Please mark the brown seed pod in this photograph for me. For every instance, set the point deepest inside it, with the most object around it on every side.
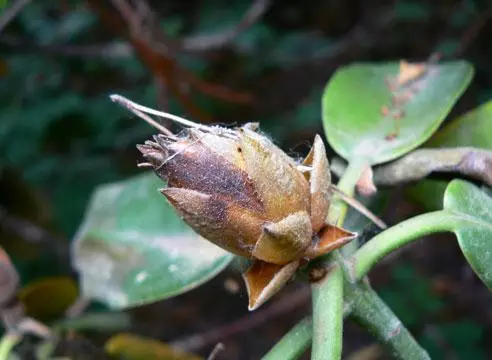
(241, 192)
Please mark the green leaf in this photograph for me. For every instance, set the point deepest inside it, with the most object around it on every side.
(132, 248)
(470, 129)
(428, 193)
(354, 101)
(475, 232)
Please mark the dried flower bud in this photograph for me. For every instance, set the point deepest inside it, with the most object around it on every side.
(241, 192)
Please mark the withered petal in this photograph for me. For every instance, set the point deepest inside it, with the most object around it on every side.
(224, 223)
(320, 181)
(331, 237)
(282, 188)
(284, 241)
(263, 280)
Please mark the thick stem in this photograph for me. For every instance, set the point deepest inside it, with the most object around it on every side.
(294, 343)
(297, 340)
(399, 235)
(369, 311)
(328, 316)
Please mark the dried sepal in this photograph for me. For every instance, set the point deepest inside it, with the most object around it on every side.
(331, 237)
(263, 280)
(319, 180)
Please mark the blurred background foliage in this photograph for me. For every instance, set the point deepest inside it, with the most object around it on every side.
(228, 62)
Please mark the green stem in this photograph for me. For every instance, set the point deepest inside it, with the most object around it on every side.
(399, 235)
(297, 340)
(369, 311)
(338, 208)
(294, 343)
(328, 293)
(8, 342)
(327, 297)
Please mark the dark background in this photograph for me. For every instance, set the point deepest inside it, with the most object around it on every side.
(60, 136)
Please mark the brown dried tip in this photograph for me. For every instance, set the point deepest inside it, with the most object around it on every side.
(154, 153)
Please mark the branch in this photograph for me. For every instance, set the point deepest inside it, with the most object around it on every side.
(9, 14)
(34, 234)
(112, 50)
(9, 280)
(473, 30)
(288, 303)
(224, 37)
(472, 162)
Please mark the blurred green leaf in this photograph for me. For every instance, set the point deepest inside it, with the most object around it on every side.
(461, 340)
(353, 116)
(412, 302)
(96, 321)
(475, 233)
(132, 248)
(470, 129)
(49, 298)
(412, 10)
(428, 193)
(291, 49)
(133, 347)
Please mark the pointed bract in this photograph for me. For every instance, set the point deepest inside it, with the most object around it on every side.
(320, 181)
(263, 280)
(331, 237)
(286, 239)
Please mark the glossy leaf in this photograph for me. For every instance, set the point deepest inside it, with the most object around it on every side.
(360, 120)
(474, 234)
(470, 129)
(132, 248)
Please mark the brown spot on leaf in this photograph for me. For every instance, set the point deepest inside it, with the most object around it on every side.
(391, 137)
